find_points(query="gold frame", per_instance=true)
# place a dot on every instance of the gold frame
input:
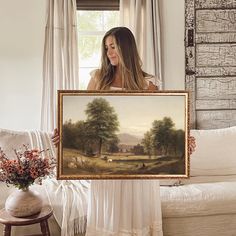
(72, 170)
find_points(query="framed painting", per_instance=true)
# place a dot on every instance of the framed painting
(123, 135)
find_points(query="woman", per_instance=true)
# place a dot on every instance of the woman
(123, 207)
(121, 64)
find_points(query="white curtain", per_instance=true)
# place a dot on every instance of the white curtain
(60, 62)
(143, 19)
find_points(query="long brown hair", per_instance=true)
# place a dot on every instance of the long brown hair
(132, 76)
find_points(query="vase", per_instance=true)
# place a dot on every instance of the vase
(21, 203)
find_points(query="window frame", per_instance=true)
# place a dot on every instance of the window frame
(98, 5)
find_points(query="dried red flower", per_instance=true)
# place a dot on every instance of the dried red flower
(28, 167)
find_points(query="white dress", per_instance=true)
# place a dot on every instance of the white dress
(124, 207)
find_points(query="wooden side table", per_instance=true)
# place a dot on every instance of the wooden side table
(41, 218)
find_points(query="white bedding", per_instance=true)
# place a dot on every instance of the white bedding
(199, 199)
(199, 209)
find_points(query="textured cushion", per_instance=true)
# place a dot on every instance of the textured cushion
(10, 140)
(199, 199)
(215, 153)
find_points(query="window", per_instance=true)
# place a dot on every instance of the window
(92, 25)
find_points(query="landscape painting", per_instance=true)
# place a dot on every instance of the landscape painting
(123, 135)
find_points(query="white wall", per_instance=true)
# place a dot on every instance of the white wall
(21, 53)
(172, 25)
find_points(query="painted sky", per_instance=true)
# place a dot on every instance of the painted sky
(135, 113)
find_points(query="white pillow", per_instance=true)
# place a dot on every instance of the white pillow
(10, 140)
(215, 152)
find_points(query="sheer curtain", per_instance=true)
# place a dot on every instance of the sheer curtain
(143, 19)
(60, 62)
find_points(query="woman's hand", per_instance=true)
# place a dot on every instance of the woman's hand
(55, 137)
(192, 144)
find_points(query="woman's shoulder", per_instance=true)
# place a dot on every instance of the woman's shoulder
(94, 73)
(92, 85)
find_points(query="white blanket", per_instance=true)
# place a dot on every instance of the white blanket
(67, 197)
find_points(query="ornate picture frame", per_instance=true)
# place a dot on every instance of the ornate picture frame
(123, 135)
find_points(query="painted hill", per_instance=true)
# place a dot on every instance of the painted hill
(129, 139)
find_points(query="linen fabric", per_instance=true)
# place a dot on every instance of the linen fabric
(124, 207)
(60, 60)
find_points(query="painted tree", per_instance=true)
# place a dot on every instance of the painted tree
(138, 149)
(75, 135)
(102, 122)
(112, 145)
(177, 142)
(147, 142)
(162, 130)
(69, 134)
(82, 136)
